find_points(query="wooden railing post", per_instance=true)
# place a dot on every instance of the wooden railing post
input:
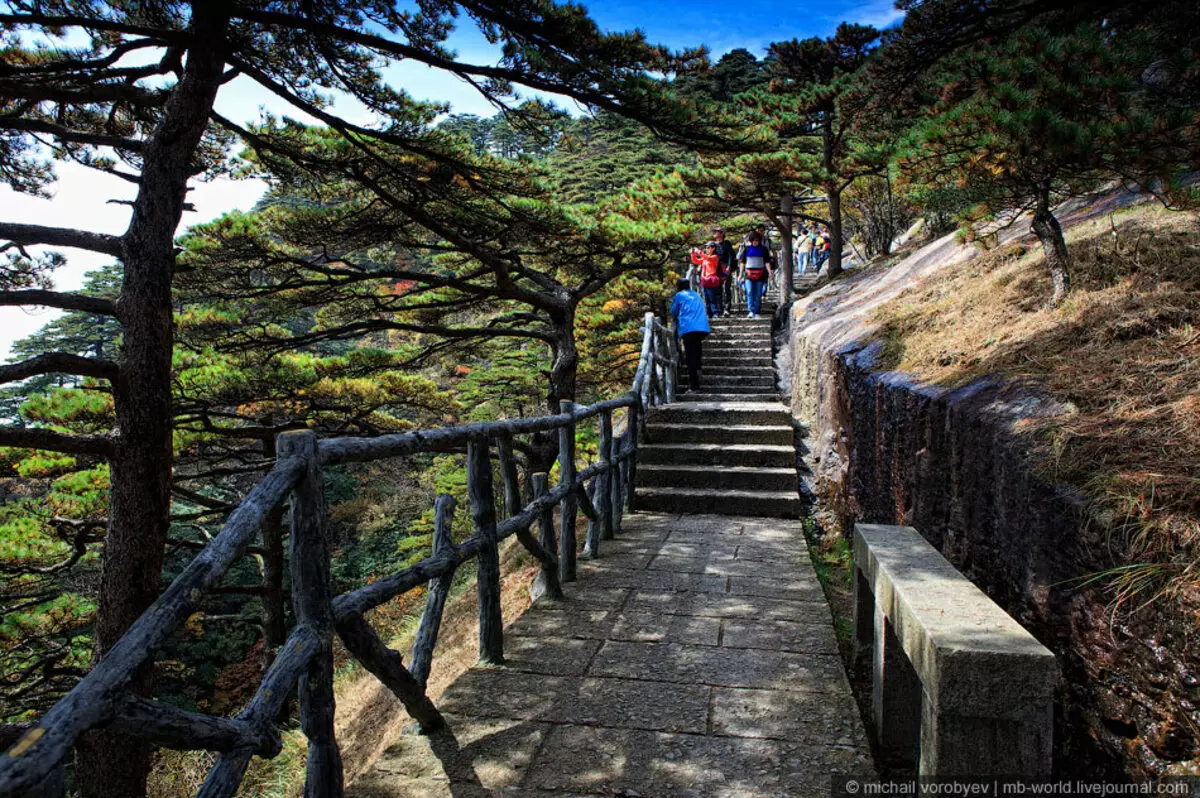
(566, 476)
(635, 433)
(439, 589)
(312, 597)
(603, 501)
(483, 512)
(586, 500)
(670, 366)
(641, 379)
(616, 484)
(508, 473)
(547, 582)
(53, 786)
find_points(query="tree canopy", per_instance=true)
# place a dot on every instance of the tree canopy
(411, 265)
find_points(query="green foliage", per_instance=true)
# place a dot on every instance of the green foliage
(600, 156)
(533, 131)
(737, 72)
(505, 380)
(1043, 112)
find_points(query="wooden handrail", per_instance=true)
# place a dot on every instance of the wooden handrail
(31, 766)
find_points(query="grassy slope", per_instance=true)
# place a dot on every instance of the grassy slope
(369, 717)
(1124, 351)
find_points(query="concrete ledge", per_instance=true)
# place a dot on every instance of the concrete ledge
(981, 674)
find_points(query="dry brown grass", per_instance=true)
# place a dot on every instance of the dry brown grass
(369, 718)
(1123, 351)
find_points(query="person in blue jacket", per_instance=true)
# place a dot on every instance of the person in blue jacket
(692, 324)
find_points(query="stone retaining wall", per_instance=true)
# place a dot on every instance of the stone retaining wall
(954, 464)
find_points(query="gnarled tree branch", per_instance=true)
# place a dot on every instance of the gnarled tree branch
(30, 234)
(59, 363)
(48, 440)
(57, 299)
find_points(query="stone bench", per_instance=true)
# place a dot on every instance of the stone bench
(958, 686)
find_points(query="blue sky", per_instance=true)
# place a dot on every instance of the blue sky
(724, 26)
(81, 196)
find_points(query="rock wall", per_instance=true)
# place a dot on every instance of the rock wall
(954, 464)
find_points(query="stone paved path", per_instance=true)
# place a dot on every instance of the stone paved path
(696, 658)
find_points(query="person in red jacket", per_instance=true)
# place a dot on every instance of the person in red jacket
(711, 276)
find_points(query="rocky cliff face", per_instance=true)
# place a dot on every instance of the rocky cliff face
(956, 465)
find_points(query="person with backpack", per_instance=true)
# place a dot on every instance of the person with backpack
(691, 324)
(727, 257)
(822, 250)
(755, 259)
(807, 240)
(711, 276)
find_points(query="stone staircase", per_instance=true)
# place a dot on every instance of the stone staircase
(728, 449)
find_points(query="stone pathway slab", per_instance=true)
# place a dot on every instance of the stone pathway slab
(694, 659)
(729, 667)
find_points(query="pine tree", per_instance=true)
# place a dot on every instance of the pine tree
(137, 102)
(814, 102)
(364, 252)
(1041, 117)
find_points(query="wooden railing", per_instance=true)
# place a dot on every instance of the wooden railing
(34, 765)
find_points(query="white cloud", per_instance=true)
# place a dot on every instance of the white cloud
(81, 200)
(877, 13)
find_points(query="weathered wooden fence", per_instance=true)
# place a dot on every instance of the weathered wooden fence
(34, 765)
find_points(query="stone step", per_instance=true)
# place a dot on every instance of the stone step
(727, 397)
(715, 454)
(728, 478)
(741, 342)
(727, 349)
(770, 504)
(739, 322)
(742, 332)
(736, 413)
(710, 386)
(763, 383)
(710, 369)
(720, 433)
(724, 360)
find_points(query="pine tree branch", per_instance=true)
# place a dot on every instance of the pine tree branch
(59, 300)
(50, 441)
(59, 363)
(199, 498)
(33, 234)
(94, 93)
(39, 20)
(66, 134)
(360, 328)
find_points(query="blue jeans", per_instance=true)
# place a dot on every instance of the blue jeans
(802, 260)
(755, 289)
(712, 300)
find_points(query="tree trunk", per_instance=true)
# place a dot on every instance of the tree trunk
(274, 622)
(273, 618)
(891, 216)
(785, 254)
(565, 365)
(833, 196)
(564, 368)
(1049, 232)
(140, 469)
